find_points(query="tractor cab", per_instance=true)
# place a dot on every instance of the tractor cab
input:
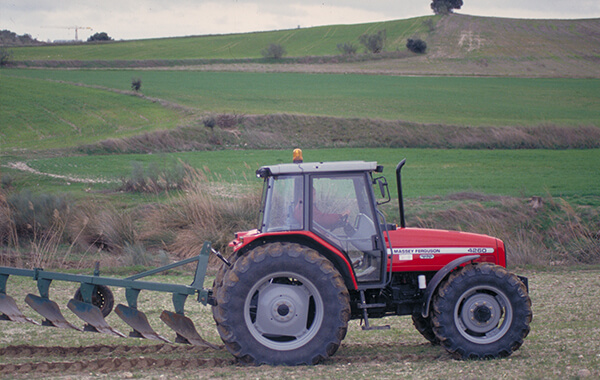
(334, 201)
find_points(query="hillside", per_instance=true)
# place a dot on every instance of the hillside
(457, 45)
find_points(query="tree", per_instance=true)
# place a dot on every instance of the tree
(102, 36)
(274, 51)
(374, 42)
(444, 7)
(416, 46)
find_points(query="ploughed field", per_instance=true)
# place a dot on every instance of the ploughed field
(562, 343)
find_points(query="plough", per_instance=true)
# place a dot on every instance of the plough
(94, 300)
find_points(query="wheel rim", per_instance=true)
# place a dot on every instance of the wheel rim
(283, 311)
(483, 314)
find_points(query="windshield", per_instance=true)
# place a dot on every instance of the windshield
(283, 206)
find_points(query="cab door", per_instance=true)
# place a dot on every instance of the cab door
(342, 211)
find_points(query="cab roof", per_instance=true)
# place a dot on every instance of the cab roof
(318, 167)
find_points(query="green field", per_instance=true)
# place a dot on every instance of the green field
(37, 113)
(42, 114)
(297, 42)
(428, 172)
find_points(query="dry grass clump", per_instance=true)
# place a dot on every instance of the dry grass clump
(538, 231)
(35, 223)
(199, 215)
(103, 227)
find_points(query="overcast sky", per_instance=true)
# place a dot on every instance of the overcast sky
(135, 19)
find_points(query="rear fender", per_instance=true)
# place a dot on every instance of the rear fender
(337, 258)
(438, 277)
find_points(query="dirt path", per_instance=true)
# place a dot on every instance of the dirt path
(26, 168)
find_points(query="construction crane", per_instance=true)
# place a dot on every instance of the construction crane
(76, 28)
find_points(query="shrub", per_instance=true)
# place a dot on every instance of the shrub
(227, 120)
(209, 122)
(103, 227)
(416, 46)
(347, 48)
(6, 181)
(273, 51)
(136, 84)
(38, 214)
(5, 56)
(374, 43)
(154, 178)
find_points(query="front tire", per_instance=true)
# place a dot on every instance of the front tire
(282, 303)
(481, 311)
(425, 327)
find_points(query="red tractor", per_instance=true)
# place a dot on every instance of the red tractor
(324, 254)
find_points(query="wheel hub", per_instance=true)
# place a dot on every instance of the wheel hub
(283, 310)
(481, 313)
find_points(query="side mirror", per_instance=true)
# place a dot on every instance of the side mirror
(383, 189)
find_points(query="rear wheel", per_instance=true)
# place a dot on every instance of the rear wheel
(481, 311)
(282, 304)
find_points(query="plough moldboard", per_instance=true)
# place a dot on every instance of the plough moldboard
(94, 300)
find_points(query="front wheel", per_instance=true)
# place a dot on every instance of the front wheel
(282, 304)
(481, 311)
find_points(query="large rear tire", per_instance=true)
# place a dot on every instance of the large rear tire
(481, 311)
(282, 304)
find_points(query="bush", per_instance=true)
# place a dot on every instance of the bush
(347, 48)
(155, 179)
(38, 214)
(104, 228)
(374, 43)
(416, 46)
(136, 84)
(5, 56)
(209, 122)
(273, 51)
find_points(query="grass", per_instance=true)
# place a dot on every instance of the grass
(428, 172)
(562, 342)
(297, 42)
(40, 114)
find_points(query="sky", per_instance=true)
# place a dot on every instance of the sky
(50, 20)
